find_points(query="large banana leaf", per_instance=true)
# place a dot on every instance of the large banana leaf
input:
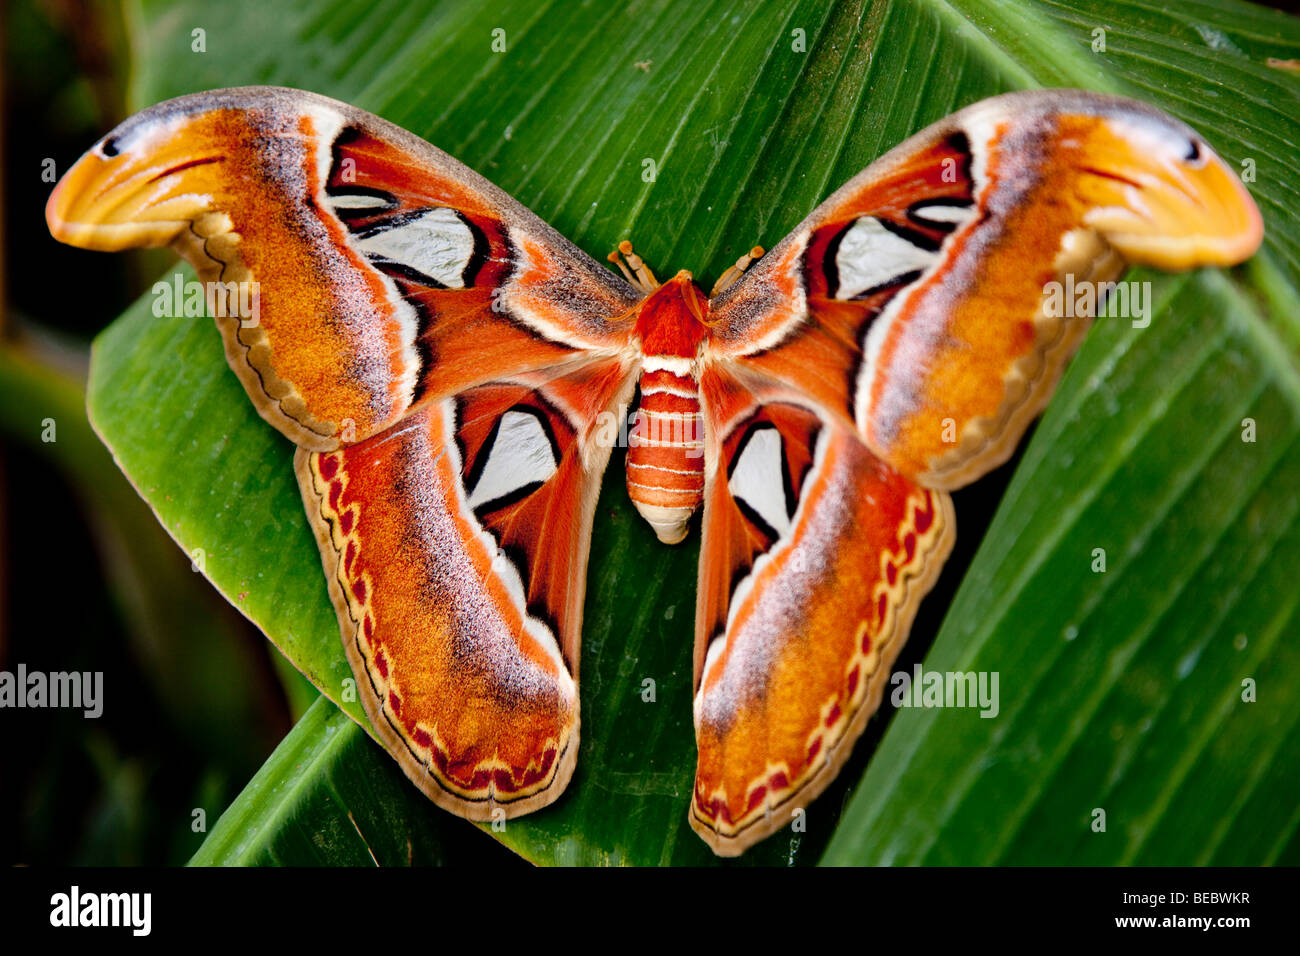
(1120, 691)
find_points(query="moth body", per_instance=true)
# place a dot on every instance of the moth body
(665, 459)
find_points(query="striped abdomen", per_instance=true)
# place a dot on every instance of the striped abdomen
(665, 457)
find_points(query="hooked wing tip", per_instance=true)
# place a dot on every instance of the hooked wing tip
(1168, 202)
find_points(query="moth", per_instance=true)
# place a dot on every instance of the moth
(448, 366)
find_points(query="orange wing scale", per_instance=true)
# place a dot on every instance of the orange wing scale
(810, 645)
(796, 632)
(792, 280)
(943, 370)
(398, 293)
(466, 628)
(462, 332)
(907, 316)
(267, 186)
(477, 705)
(225, 187)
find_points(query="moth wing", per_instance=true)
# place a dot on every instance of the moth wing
(354, 270)
(455, 545)
(442, 358)
(918, 301)
(815, 557)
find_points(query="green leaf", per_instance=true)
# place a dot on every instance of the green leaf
(325, 798)
(1139, 714)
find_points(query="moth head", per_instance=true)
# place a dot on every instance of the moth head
(677, 303)
(682, 289)
(1159, 194)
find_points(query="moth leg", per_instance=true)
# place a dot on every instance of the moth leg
(642, 279)
(733, 274)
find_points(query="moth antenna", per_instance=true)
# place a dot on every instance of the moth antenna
(733, 274)
(614, 258)
(640, 276)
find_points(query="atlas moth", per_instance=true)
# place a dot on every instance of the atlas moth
(442, 359)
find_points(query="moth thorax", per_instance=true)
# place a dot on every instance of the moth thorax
(665, 457)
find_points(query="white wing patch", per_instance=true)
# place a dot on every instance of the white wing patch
(941, 213)
(870, 256)
(716, 647)
(521, 455)
(436, 243)
(360, 203)
(758, 478)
